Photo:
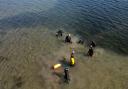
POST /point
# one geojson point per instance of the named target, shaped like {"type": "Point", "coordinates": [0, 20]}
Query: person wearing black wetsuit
{"type": "Point", "coordinates": [93, 44]}
{"type": "Point", "coordinates": [59, 33]}
{"type": "Point", "coordinates": [90, 52]}
{"type": "Point", "coordinates": [68, 39]}
{"type": "Point", "coordinates": [66, 75]}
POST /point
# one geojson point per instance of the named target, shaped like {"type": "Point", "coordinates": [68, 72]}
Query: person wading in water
{"type": "Point", "coordinates": [68, 39]}
{"type": "Point", "coordinates": [90, 52]}
{"type": "Point", "coordinates": [66, 75]}
{"type": "Point", "coordinates": [59, 33]}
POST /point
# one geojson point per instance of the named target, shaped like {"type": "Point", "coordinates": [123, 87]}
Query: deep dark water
{"type": "Point", "coordinates": [105, 21]}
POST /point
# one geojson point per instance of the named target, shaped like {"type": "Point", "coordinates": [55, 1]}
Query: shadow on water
{"type": "Point", "coordinates": [60, 75]}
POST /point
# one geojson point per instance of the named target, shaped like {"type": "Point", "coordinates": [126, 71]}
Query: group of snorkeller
{"type": "Point", "coordinates": [68, 39]}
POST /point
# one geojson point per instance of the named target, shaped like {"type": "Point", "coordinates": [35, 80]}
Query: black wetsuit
{"type": "Point", "coordinates": [66, 75]}
{"type": "Point", "coordinates": [93, 44]}
{"type": "Point", "coordinates": [90, 52]}
{"type": "Point", "coordinates": [68, 39]}
{"type": "Point", "coordinates": [59, 33]}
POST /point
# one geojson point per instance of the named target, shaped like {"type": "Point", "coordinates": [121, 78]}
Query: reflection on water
{"type": "Point", "coordinates": [104, 19]}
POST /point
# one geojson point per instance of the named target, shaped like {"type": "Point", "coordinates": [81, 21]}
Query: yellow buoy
{"type": "Point", "coordinates": [56, 66]}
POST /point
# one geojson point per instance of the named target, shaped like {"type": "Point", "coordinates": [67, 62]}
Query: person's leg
{"type": "Point", "coordinates": [91, 54]}
{"type": "Point", "coordinates": [61, 34]}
